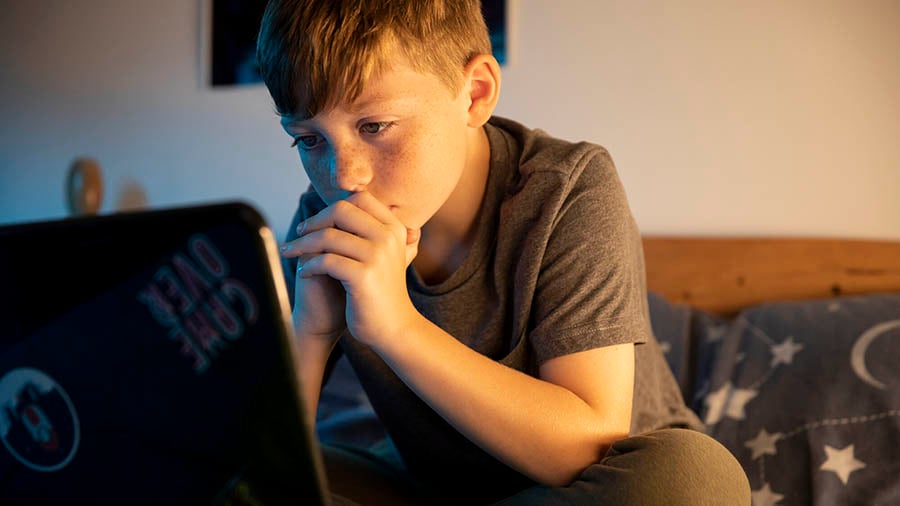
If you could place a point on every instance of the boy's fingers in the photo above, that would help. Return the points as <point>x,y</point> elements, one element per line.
<point>413,235</point>
<point>338,242</point>
<point>349,245</point>
<point>321,220</point>
<point>343,215</point>
<point>368,203</point>
<point>411,251</point>
<point>378,210</point>
<point>412,244</point>
<point>317,242</point>
<point>302,259</point>
<point>337,267</point>
<point>360,214</point>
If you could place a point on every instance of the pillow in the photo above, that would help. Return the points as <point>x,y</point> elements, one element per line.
<point>806,394</point>
<point>690,339</point>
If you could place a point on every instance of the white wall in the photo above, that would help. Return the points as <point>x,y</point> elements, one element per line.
<point>723,116</point>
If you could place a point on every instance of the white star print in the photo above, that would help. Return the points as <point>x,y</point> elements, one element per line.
<point>842,462</point>
<point>765,496</point>
<point>784,353</point>
<point>763,443</point>
<point>716,333</point>
<point>728,401</point>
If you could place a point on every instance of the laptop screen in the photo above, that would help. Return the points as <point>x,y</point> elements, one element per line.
<point>145,359</point>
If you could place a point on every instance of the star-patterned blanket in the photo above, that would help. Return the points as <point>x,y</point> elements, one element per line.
<point>806,394</point>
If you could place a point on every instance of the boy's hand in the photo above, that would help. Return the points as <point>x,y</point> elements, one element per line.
<point>318,305</point>
<point>361,244</point>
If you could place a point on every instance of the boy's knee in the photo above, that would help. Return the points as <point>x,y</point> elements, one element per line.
<point>677,466</point>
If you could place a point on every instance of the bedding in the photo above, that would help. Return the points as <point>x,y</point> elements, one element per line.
<point>805,393</point>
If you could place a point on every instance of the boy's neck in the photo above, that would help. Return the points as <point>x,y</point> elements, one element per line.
<point>449,234</point>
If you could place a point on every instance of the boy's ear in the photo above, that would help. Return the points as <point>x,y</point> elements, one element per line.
<point>483,87</point>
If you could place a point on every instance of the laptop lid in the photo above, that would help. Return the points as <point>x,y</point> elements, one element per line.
<point>146,358</point>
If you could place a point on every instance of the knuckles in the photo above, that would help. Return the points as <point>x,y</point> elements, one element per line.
<point>330,234</point>
<point>342,206</point>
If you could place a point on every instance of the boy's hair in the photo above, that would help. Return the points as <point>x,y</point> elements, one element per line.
<point>314,54</point>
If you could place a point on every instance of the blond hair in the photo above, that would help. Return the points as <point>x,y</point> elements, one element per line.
<point>314,54</point>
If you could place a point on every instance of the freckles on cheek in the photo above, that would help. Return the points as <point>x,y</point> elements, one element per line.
<point>403,163</point>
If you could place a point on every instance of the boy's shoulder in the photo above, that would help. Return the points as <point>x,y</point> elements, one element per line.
<point>535,150</point>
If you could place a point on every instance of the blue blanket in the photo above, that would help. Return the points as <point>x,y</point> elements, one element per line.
<point>806,394</point>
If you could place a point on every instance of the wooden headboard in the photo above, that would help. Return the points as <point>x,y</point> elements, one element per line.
<point>725,274</point>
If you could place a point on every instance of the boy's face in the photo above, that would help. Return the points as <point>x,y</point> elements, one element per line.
<point>404,140</point>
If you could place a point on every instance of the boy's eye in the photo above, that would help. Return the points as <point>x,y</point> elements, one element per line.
<point>374,127</point>
<point>306,141</point>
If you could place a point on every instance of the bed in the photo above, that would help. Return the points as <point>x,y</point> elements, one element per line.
<point>786,348</point>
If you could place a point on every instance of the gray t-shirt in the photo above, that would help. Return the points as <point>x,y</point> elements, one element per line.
<point>556,268</point>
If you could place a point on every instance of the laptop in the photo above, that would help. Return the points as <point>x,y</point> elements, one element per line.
<point>147,358</point>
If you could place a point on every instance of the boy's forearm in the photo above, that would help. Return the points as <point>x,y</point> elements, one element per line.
<point>541,429</point>
<point>312,356</point>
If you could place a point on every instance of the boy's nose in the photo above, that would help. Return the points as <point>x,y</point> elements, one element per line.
<point>350,172</point>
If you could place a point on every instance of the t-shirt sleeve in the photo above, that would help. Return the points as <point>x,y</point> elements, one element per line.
<point>591,287</point>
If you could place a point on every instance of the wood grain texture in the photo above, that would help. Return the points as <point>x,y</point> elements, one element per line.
<point>725,274</point>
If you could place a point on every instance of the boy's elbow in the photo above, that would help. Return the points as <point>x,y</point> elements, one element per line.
<point>574,463</point>
<point>564,477</point>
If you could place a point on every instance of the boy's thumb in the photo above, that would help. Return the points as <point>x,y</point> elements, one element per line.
<point>412,244</point>
<point>413,235</point>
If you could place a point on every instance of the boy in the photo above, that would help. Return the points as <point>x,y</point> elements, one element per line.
<point>484,280</point>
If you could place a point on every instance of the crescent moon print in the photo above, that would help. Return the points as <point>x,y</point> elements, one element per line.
<point>858,353</point>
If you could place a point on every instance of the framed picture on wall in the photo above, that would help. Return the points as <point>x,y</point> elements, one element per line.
<point>496,16</point>
<point>232,25</point>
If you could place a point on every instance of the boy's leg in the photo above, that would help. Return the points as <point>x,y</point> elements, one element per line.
<point>666,467</point>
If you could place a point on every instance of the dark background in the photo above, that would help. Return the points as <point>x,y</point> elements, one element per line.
<point>235,24</point>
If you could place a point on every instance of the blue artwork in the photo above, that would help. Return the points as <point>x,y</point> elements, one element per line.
<point>235,24</point>
<point>495,16</point>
